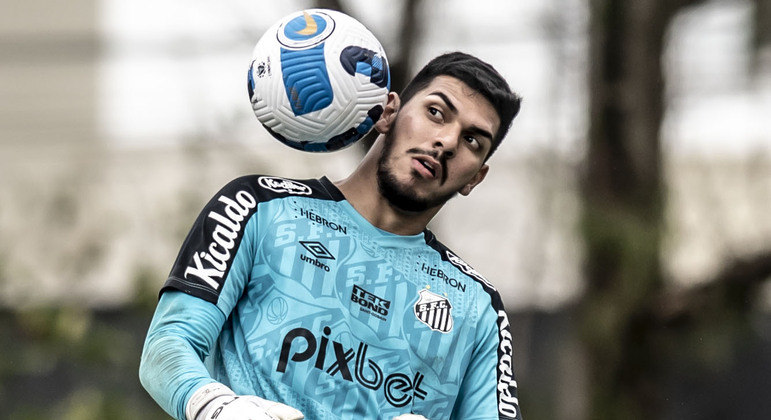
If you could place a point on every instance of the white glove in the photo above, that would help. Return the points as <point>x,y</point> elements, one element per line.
<point>409,417</point>
<point>216,401</point>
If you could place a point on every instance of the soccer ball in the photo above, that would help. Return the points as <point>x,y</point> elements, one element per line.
<point>318,80</point>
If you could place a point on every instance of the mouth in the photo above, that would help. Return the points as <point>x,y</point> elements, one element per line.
<point>427,166</point>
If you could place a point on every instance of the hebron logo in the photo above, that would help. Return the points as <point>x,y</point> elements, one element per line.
<point>213,262</point>
<point>310,215</point>
<point>438,273</point>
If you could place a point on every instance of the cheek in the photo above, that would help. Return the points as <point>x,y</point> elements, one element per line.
<point>405,126</point>
<point>467,173</point>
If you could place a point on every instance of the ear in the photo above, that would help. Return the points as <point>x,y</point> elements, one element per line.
<point>383,124</point>
<point>476,180</point>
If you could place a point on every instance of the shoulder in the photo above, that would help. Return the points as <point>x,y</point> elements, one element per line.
<point>450,258</point>
<point>261,188</point>
<point>487,297</point>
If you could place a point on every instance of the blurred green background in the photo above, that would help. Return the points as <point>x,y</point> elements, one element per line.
<point>625,219</point>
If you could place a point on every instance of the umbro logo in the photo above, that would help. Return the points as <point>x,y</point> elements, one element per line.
<point>317,249</point>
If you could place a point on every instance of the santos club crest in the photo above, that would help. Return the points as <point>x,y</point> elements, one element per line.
<point>434,311</point>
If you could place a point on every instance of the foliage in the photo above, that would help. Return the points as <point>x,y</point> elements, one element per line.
<point>74,364</point>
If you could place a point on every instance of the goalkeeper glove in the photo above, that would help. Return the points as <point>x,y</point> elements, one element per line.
<point>217,401</point>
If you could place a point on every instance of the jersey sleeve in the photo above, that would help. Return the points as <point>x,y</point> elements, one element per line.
<point>205,282</point>
<point>489,390</point>
<point>215,259</point>
<point>181,334</point>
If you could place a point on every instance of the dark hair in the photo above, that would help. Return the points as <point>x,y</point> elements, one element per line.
<point>478,75</point>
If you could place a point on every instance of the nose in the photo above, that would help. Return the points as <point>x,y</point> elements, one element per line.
<point>447,141</point>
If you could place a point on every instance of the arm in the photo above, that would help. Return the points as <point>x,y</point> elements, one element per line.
<point>186,325</point>
<point>488,390</point>
<point>209,276</point>
<point>183,330</point>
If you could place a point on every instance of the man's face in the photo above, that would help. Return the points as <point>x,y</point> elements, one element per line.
<point>437,146</point>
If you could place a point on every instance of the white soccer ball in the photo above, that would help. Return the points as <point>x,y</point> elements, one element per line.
<point>318,80</point>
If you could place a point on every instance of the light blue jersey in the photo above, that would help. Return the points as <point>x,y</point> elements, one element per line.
<point>324,312</point>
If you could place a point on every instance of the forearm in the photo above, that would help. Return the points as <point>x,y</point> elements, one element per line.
<point>181,335</point>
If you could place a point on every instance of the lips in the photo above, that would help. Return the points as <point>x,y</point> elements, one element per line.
<point>427,166</point>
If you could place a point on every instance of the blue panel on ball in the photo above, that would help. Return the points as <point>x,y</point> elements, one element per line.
<point>304,27</point>
<point>356,59</point>
<point>364,68</point>
<point>250,81</point>
<point>306,80</point>
<point>365,126</point>
<point>337,142</point>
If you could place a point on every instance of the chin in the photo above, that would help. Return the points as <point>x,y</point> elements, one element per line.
<point>405,198</point>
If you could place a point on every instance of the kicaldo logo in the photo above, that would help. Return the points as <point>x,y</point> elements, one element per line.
<point>508,403</point>
<point>209,265</point>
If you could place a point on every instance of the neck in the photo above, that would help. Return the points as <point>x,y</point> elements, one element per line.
<point>362,192</point>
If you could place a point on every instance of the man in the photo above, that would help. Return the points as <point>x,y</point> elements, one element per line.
<point>333,300</point>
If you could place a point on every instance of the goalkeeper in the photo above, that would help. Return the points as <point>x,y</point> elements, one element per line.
<point>322,299</point>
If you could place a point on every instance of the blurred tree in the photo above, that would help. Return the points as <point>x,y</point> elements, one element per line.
<point>625,311</point>
<point>761,31</point>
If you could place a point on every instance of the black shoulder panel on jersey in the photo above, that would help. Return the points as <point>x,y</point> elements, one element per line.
<point>508,402</point>
<point>206,256</point>
<point>452,258</point>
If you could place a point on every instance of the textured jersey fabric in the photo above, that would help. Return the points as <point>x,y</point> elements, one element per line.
<point>324,312</point>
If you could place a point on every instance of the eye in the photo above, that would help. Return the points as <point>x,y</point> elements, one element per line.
<point>435,112</point>
<point>473,142</point>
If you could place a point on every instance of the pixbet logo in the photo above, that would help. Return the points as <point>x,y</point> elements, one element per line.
<point>398,388</point>
<point>212,264</point>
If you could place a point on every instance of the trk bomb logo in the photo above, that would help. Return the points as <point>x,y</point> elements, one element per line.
<point>370,303</point>
<point>434,311</point>
<point>281,185</point>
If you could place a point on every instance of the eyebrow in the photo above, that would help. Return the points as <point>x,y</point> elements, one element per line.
<point>446,100</point>
<point>473,129</point>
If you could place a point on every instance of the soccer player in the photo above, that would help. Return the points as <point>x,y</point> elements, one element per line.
<point>322,299</point>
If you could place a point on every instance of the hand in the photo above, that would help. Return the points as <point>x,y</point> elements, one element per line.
<point>409,416</point>
<point>276,409</point>
<point>217,401</point>
<point>247,407</point>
